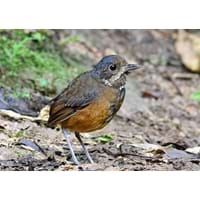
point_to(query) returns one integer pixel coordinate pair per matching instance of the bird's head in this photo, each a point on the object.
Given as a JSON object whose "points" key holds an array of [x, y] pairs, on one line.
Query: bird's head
{"points": [[112, 69]]}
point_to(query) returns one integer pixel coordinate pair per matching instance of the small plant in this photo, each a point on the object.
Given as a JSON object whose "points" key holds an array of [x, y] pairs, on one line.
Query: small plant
{"points": [[196, 96], [104, 138], [19, 134]]}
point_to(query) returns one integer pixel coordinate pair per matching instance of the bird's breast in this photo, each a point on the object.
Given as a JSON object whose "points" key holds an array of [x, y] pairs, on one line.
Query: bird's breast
{"points": [[98, 113]]}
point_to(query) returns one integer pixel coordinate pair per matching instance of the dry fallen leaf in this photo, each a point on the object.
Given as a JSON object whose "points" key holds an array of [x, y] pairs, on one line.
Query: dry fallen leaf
{"points": [[150, 149], [151, 94], [165, 152], [43, 115], [15, 115], [146, 146], [188, 47], [194, 150]]}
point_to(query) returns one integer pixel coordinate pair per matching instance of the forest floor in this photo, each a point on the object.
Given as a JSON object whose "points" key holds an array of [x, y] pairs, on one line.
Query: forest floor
{"points": [[157, 128]]}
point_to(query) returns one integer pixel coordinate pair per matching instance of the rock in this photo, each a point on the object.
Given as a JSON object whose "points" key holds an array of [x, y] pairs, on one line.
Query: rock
{"points": [[188, 47], [22, 105]]}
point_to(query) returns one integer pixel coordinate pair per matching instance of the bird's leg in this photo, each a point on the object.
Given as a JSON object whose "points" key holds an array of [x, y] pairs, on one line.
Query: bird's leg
{"points": [[67, 138], [83, 146]]}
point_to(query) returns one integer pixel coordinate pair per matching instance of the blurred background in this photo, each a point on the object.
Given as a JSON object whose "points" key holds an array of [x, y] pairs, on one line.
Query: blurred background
{"points": [[160, 115]]}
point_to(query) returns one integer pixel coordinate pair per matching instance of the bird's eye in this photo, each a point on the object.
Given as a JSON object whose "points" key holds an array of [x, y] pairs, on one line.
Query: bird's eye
{"points": [[112, 67]]}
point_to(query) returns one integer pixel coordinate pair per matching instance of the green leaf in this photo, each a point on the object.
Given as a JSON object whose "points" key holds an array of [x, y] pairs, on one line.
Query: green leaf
{"points": [[104, 138], [19, 134], [196, 96], [38, 36], [43, 82]]}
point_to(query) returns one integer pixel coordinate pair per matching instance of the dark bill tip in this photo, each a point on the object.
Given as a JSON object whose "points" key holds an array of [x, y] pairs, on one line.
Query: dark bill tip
{"points": [[131, 67]]}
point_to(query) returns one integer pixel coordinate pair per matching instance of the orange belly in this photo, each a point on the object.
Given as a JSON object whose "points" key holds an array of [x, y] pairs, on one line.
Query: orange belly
{"points": [[90, 118]]}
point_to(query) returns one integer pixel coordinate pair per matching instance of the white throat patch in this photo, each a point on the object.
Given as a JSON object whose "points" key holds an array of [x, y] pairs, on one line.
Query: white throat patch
{"points": [[122, 87], [118, 75], [115, 77], [106, 82]]}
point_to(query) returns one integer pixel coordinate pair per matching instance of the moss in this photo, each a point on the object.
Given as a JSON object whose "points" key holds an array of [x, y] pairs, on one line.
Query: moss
{"points": [[32, 56]]}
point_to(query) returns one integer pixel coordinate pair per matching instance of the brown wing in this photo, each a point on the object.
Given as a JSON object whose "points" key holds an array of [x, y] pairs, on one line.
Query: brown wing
{"points": [[76, 96]]}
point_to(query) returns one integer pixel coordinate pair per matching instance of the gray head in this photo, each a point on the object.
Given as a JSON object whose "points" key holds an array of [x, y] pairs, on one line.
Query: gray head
{"points": [[112, 69]]}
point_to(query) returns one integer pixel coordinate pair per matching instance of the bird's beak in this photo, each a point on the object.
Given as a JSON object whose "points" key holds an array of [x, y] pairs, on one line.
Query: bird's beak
{"points": [[131, 67]]}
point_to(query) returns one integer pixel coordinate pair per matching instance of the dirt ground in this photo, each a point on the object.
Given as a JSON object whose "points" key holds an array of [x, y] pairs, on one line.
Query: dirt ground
{"points": [[155, 129]]}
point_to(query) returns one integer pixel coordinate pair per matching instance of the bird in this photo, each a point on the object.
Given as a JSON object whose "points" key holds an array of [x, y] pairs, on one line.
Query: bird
{"points": [[91, 100]]}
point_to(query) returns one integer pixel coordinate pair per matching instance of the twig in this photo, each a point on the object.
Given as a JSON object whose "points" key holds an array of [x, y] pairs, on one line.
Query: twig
{"points": [[186, 76], [40, 148], [172, 79], [130, 154]]}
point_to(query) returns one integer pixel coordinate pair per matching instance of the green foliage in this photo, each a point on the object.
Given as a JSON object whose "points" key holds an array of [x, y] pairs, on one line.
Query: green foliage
{"points": [[37, 36], [24, 92], [104, 138], [18, 52], [34, 58], [19, 134], [196, 96]]}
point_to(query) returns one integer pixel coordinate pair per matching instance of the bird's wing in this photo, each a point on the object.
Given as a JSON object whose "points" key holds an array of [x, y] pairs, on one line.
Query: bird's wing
{"points": [[79, 94]]}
